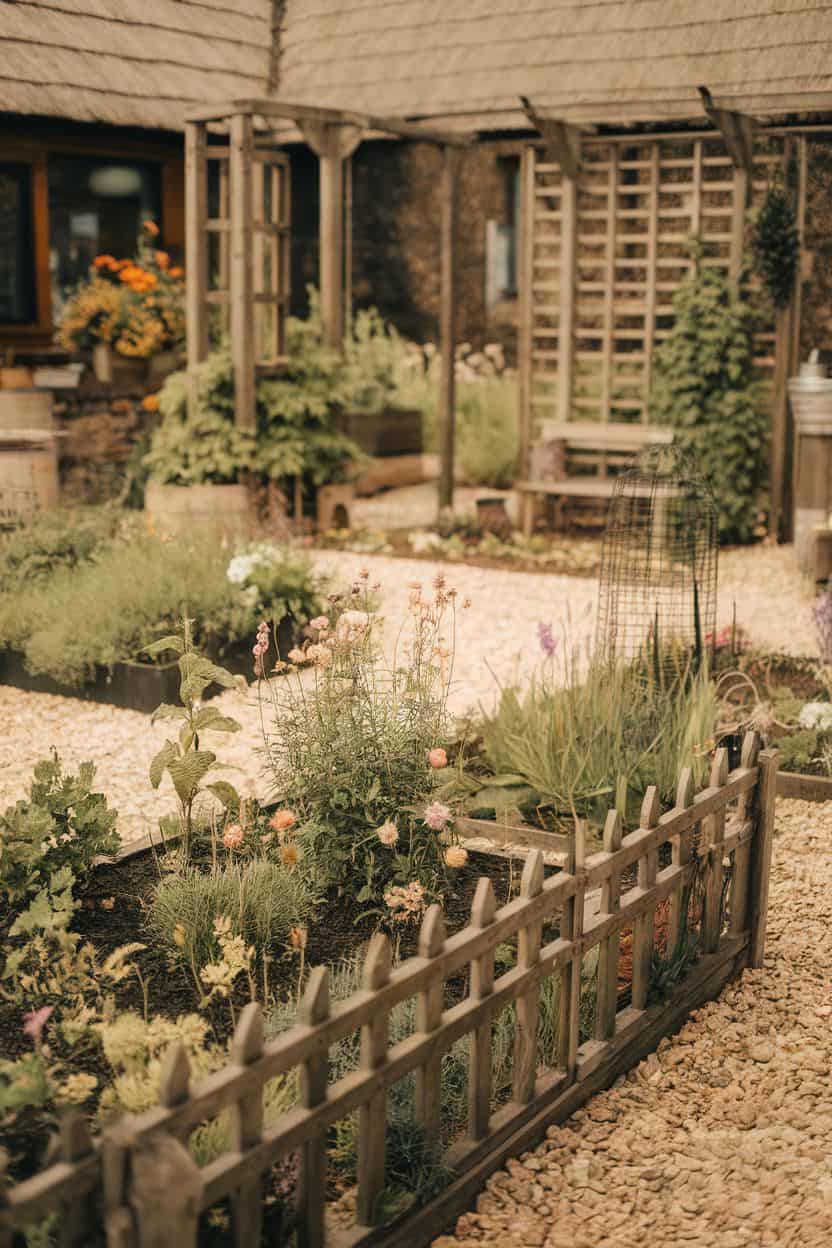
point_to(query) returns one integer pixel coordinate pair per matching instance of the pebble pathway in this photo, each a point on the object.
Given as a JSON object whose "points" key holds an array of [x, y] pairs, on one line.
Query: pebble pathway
{"points": [[723, 1137]]}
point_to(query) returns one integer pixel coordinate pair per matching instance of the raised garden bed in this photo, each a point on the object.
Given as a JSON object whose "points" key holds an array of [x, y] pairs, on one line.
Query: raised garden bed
{"points": [[131, 685]]}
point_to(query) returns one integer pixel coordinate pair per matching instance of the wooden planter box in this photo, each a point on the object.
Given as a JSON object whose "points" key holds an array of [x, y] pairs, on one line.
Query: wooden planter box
{"points": [[393, 431], [175, 509], [135, 686]]}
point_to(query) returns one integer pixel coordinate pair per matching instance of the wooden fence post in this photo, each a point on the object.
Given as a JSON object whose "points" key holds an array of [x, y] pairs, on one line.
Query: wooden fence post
{"points": [[78, 1217], [247, 1128], [645, 923], [607, 1001], [572, 923], [165, 1192], [528, 1004], [762, 845], [311, 1188], [716, 835], [680, 854], [742, 854], [6, 1232], [483, 909], [372, 1117], [428, 1018]]}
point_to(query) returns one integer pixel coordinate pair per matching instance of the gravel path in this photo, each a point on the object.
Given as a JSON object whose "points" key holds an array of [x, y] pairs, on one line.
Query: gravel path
{"points": [[722, 1139], [496, 640]]}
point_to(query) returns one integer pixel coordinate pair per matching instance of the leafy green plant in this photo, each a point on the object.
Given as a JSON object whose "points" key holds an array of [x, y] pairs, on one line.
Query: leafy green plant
{"points": [[49, 541], [184, 759], [62, 824], [775, 242], [706, 388]]}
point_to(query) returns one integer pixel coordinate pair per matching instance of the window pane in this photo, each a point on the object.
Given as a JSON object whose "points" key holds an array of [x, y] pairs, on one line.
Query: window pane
{"points": [[96, 207], [17, 258]]}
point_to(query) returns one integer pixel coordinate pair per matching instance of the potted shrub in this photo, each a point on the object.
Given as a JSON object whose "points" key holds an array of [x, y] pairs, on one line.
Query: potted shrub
{"points": [[296, 446], [129, 314]]}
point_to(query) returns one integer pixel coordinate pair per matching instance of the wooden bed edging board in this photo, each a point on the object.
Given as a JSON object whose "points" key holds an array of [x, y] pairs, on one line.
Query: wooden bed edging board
{"points": [[802, 785], [638, 1039]]}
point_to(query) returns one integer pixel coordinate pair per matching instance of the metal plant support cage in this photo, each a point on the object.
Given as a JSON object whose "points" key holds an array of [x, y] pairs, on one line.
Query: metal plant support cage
{"points": [[659, 560]]}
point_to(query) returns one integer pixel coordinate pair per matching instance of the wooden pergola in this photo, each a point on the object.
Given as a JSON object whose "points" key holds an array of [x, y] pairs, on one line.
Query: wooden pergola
{"points": [[238, 258]]}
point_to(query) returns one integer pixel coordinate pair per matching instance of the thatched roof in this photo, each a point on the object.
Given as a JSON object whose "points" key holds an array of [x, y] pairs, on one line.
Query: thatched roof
{"points": [[139, 63], [613, 61]]}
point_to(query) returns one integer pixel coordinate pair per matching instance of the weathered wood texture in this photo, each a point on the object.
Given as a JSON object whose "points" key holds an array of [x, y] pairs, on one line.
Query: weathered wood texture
{"points": [[151, 1191], [604, 251]]}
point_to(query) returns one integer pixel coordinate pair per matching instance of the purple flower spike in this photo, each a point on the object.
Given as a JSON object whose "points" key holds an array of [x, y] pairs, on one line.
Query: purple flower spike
{"points": [[548, 643]]}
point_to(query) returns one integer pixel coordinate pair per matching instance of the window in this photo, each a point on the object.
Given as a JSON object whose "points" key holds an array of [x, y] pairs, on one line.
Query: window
{"points": [[17, 276], [501, 235], [96, 206]]}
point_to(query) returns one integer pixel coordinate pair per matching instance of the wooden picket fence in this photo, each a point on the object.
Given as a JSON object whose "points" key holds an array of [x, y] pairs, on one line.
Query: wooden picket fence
{"points": [[138, 1186]]}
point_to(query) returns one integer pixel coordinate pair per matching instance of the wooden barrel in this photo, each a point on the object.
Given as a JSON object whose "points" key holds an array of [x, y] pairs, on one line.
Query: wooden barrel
{"points": [[813, 491], [177, 509], [28, 452]]}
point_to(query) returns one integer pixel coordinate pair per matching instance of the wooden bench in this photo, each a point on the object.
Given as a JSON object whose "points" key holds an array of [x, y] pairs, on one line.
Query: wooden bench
{"points": [[565, 445]]}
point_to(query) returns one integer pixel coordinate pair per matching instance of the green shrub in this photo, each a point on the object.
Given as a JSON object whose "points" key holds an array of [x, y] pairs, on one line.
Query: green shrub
{"points": [[133, 592], [578, 739], [62, 823], [54, 540], [264, 901], [705, 386]]}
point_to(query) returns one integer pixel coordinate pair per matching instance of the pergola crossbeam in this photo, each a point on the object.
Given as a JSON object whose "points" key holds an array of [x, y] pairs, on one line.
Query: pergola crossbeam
{"points": [[305, 113]]}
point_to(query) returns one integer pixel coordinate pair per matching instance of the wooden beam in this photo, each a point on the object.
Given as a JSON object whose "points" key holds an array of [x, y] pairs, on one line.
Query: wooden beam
{"points": [[563, 140], [737, 130], [196, 254], [242, 284], [447, 325], [304, 113], [568, 273], [525, 321]]}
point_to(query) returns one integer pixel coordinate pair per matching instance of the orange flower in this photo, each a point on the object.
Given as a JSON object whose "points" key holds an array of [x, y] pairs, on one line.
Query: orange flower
{"points": [[151, 227], [105, 262], [150, 402], [176, 271], [162, 259]]}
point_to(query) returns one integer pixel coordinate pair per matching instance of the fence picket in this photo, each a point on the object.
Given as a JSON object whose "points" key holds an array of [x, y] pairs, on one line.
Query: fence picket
{"points": [[716, 835], [528, 952], [742, 855], [247, 1129], [607, 1003], [311, 1186], [77, 1222], [680, 850], [372, 1124], [6, 1232], [165, 1192], [643, 927], [764, 802], [572, 917], [428, 1017], [483, 909]]}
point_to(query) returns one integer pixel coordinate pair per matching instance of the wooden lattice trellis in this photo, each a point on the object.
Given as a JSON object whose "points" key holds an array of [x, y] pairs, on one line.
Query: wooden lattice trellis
{"points": [[606, 233]]}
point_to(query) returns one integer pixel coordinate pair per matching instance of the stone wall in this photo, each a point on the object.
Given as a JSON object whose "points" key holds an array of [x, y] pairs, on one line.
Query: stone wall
{"points": [[396, 221], [104, 430]]}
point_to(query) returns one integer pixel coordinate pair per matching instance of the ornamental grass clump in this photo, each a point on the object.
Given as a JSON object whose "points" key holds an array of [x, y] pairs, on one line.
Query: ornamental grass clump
{"points": [[357, 748]]}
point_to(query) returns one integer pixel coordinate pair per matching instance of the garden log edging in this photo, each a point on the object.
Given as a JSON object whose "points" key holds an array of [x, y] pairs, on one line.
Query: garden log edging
{"points": [[734, 815], [803, 786]]}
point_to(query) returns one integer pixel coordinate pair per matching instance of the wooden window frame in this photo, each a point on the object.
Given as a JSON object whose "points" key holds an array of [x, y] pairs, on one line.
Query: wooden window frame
{"points": [[35, 152]]}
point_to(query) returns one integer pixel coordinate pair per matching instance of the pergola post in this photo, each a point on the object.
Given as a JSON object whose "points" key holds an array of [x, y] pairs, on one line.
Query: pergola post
{"points": [[447, 324], [196, 253], [333, 143], [242, 274]]}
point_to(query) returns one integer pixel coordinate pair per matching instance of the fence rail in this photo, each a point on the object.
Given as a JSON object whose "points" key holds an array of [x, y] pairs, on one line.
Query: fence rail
{"points": [[141, 1183]]}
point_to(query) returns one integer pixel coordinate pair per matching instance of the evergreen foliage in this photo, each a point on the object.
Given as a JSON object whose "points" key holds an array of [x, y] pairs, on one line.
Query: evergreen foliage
{"points": [[706, 388], [776, 245]]}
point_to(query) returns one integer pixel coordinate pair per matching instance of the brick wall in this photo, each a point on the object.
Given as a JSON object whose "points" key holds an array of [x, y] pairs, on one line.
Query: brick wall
{"points": [[103, 426]]}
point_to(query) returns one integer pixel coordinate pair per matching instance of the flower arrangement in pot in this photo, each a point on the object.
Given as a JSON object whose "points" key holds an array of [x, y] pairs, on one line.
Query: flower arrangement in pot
{"points": [[128, 312]]}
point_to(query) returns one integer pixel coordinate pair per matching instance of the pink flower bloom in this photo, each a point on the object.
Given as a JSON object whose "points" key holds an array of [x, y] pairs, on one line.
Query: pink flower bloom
{"points": [[34, 1023], [282, 820], [437, 757], [437, 816], [319, 622], [232, 837]]}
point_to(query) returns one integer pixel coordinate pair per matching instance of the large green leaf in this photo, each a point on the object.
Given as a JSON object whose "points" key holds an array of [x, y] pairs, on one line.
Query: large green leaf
{"points": [[198, 673], [210, 717], [227, 794], [171, 642], [161, 761], [186, 772], [167, 711]]}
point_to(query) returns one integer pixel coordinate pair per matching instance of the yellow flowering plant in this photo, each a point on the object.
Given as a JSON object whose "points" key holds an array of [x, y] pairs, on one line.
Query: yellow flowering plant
{"points": [[136, 306]]}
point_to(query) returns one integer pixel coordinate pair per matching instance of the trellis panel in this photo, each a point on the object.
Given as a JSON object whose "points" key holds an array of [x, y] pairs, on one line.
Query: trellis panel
{"points": [[637, 204]]}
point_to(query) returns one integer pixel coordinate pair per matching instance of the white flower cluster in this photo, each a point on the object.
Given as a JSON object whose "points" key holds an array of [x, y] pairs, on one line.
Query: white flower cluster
{"points": [[242, 566]]}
